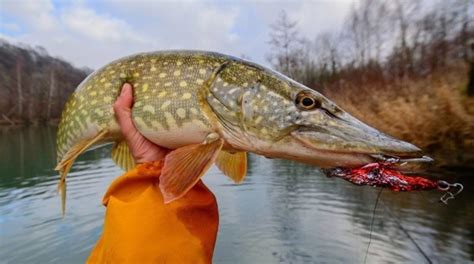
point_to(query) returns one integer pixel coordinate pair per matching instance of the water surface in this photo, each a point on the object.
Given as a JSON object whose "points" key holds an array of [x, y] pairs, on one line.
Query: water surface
{"points": [[283, 212]]}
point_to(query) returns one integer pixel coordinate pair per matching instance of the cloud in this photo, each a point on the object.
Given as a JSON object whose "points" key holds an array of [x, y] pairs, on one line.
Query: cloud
{"points": [[92, 33], [36, 14], [12, 27], [182, 24], [88, 23], [317, 17], [75, 32], [312, 17]]}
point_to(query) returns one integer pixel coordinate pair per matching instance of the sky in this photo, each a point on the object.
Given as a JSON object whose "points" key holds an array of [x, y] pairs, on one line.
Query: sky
{"points": [[91, 33]]}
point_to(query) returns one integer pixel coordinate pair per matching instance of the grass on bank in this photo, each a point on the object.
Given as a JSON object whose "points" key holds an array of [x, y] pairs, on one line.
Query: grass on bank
{"points": [[433, 113]]}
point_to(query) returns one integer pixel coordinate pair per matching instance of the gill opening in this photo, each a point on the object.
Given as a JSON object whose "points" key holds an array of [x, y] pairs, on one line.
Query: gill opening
{"points": [[218, 120]]}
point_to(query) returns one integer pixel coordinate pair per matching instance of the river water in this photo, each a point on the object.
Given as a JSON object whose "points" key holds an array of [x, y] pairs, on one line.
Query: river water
{"points": [[284, 212]]}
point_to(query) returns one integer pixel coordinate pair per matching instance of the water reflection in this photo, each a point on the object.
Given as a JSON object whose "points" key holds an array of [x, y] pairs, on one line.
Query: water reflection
{"points": [[283, 212]]}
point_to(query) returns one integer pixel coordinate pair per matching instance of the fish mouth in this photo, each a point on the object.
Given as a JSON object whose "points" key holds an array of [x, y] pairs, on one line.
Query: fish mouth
{"points": [[351, 158], [349, 142]]}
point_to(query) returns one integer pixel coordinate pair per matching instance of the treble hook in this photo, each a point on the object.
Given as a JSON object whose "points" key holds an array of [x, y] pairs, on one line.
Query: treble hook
{"points": [[445, 187]]}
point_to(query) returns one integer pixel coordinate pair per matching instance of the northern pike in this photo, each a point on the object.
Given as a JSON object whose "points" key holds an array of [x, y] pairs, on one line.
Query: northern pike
{"points": [[212, 108]]}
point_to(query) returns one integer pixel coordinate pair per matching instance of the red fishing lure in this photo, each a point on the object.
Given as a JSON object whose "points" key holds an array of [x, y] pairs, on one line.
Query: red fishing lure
{"points": [[382, 174]]}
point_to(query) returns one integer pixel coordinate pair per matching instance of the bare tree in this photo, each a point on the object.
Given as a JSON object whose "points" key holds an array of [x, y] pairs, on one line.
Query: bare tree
{"points": [[327, 52], [403, 15], [52, 88], [366, 30], [286, 45], [19, 88]]}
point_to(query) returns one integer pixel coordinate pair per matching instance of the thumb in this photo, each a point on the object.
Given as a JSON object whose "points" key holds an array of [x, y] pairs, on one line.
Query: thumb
{"points": [[123, 111]]}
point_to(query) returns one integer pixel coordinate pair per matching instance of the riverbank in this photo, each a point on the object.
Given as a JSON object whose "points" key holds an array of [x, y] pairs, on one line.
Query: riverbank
{"points": [[433, 113]]}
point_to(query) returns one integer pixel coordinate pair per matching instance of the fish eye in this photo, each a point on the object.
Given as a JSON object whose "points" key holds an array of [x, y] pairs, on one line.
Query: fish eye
{"points": [[307, 101]]}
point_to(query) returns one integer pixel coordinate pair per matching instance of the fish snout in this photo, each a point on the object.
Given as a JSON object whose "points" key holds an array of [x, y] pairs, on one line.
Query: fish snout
{"points": [[345, 136]]}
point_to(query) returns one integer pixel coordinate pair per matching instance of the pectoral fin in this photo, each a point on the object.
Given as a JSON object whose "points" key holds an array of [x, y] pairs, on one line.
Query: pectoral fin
{"points": [[234, 165], [185, 166], [122, 156]]}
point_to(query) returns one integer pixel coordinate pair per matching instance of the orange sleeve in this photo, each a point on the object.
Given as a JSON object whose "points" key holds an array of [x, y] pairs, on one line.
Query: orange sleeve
{"points": [[140, 228]]}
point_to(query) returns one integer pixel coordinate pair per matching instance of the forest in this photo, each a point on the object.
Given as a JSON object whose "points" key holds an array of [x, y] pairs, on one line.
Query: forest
{"points": [[34, 86]]}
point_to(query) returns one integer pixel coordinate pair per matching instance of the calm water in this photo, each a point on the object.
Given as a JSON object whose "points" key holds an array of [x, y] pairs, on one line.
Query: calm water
{"points": [[283, 212]]}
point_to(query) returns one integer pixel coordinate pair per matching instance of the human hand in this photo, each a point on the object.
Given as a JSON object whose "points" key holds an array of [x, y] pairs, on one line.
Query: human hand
{"points": [[142, 149]]}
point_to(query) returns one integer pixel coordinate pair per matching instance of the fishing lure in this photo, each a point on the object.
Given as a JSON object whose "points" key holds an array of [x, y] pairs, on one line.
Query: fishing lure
{"points": [[383, 174]]}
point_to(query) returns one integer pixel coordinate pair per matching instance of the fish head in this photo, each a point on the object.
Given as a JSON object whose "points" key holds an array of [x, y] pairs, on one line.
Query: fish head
{"points": [[277, 117]]}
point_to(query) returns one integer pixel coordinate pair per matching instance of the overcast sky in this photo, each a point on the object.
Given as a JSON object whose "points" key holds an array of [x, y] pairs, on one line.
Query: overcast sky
{"points": [[92, 33]]}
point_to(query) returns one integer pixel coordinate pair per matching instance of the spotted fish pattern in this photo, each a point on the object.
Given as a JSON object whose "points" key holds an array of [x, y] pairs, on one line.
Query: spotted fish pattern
{"points": [[167, 93]]}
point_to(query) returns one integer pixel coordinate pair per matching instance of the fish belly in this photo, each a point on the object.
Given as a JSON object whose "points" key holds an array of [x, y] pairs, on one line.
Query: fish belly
{"points": [[171, 116]]}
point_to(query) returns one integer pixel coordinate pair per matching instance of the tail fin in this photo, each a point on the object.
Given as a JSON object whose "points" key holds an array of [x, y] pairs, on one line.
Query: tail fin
{"points": [[66, 163]]}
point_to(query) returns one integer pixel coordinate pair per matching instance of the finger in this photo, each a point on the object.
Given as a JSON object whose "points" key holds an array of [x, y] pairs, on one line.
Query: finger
{"points": [[125, 99], [123, 111]]}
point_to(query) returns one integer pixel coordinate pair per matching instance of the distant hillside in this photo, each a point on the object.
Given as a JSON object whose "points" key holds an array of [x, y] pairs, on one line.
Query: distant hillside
{"points": [[34, 85]]}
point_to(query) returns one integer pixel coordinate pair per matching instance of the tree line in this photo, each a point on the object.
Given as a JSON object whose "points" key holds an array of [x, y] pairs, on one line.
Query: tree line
{"points": [[34, 85], [380, 41]]}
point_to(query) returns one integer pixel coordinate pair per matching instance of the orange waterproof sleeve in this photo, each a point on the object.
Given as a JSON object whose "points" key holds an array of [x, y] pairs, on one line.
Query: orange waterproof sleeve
{"points": [[140, 228]]}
